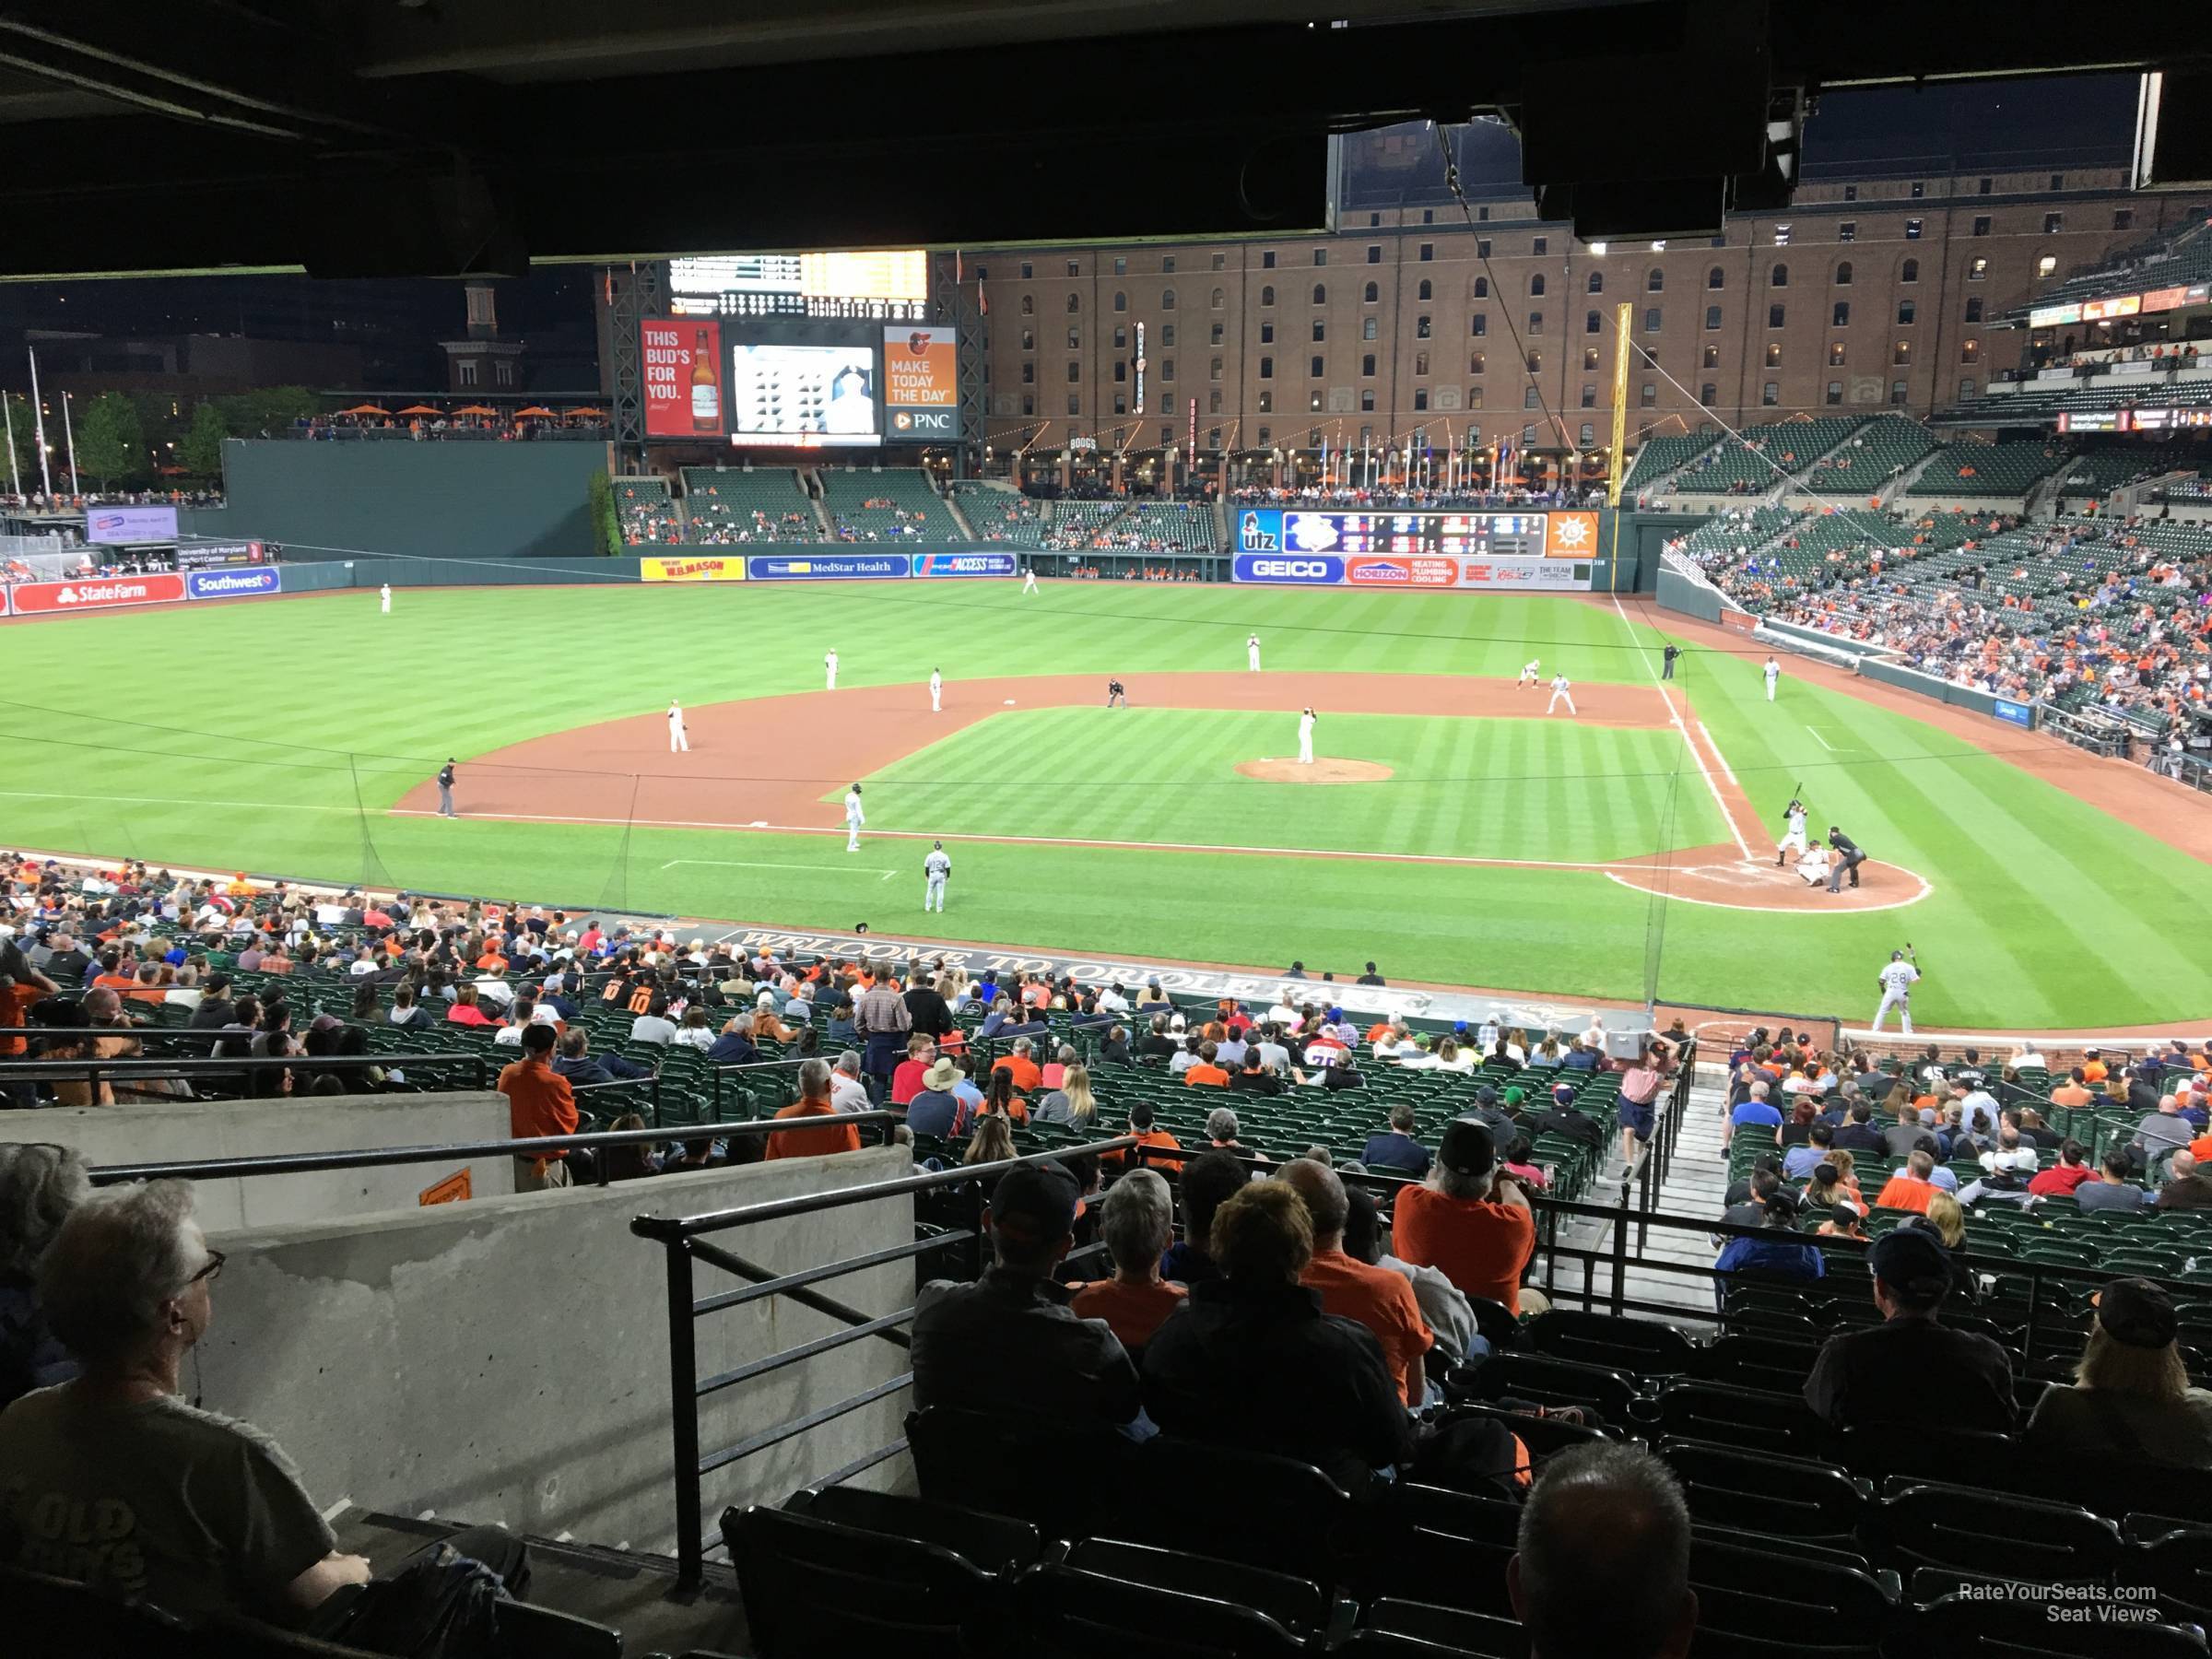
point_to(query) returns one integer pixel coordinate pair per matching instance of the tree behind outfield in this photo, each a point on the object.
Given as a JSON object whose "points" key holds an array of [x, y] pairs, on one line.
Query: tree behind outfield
{"points": [[270, 409], [200, 452], [111, 444]]}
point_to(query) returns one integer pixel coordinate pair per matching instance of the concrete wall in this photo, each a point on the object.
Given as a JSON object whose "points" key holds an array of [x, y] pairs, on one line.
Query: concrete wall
{"points": [[508, 1360], [160, 1133]]}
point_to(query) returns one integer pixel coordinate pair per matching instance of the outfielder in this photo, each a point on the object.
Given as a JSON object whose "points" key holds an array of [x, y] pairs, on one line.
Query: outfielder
{"points": [[937, 867], [854, 819], [1793, 814], [937, 692], [1773, 673], [1529, 671], [383, 597], [1897, 981], [679, 741], [1560, 683], [829, 665], [1252, 653], [1305, 739], [1029, 580]]}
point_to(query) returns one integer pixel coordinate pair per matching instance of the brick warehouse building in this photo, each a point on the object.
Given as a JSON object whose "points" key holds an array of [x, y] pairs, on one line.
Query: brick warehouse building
{"points": [[1869, 292]]}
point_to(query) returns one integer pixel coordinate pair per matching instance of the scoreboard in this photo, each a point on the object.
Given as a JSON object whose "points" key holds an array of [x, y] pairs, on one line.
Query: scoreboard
{"points": [[1478, 535]]}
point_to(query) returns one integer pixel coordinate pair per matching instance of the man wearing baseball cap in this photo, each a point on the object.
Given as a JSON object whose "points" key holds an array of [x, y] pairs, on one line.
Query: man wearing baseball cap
{"points": [[1469, 1219], [2131, 1397], [1885, 1377], [1009, 1342]]}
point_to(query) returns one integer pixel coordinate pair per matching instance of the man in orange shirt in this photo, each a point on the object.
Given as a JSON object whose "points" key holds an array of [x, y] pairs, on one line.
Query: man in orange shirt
{"points": [[1140, 1125], [1027, 1078], [1910, 1188], [1470, 1221], [1138, 1226], [2092, 1066], [813, 1101], [1206, 1074], [539, 1101], [1375, 1296]]}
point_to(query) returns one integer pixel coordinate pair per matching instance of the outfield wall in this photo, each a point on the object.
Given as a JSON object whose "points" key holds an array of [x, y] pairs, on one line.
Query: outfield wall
{"points": [[435, 500]]}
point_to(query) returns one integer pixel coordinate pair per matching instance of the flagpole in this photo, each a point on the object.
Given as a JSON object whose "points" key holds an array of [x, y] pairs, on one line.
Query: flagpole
{"points": [[15, 481], [38, 416], [69, 436]]}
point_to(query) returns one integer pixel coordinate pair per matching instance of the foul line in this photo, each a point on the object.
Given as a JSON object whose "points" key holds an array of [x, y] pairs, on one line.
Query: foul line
{"points": [[1681, 725], [742, 864]]}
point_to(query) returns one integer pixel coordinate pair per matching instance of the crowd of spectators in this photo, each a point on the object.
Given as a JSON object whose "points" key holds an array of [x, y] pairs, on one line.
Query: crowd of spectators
{"points": [[1349, 498]]}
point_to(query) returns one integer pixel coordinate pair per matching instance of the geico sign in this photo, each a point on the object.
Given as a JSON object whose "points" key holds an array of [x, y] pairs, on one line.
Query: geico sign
{"points": [[1276, 567], [97, 592]]}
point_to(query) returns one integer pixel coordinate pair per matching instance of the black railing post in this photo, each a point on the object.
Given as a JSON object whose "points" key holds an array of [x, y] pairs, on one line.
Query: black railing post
{"points": [[683, 1415], [1621, 1259], [656, 1097]]}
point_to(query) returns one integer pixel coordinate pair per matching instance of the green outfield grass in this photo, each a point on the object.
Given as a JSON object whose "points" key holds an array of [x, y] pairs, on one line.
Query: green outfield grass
{"points": [[1543, 790], [273, 735]]}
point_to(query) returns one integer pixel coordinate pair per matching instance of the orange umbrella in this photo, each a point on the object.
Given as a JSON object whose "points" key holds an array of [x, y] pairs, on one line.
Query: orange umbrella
{"points": [[421, 409], [582, 414], [364, 410], [476, 409], [535, 412]]}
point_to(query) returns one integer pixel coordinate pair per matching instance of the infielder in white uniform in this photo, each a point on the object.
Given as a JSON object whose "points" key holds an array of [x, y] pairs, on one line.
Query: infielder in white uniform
{"points": [[937, 692], [1897, 981], [937, 867], [1029, 580], [1560, 683], [679, 741], [1529, 671], [1252, 653], [1793, 814], [1305, 739], [830, 665], [1773, 673], [383, 598], [854, 819]]}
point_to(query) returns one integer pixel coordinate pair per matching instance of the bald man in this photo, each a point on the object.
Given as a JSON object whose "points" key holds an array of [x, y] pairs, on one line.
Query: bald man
{"points": [[1382, 1300], [1602, 1571]]}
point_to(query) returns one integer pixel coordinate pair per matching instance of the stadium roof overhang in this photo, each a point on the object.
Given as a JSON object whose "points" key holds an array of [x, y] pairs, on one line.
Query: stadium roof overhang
{"points": [[414, 137]]}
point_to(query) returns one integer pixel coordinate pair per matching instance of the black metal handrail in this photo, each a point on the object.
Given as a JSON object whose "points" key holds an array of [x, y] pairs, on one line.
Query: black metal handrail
{"points": [[683, 1241], [308, 1163]]}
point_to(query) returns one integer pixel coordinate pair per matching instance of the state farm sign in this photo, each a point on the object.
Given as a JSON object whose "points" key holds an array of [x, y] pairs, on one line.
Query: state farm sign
{"points": [[97, 592]]}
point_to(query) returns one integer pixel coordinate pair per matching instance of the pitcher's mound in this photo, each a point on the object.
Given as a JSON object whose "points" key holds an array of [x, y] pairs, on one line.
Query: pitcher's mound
{"points": [[1325, 770]]}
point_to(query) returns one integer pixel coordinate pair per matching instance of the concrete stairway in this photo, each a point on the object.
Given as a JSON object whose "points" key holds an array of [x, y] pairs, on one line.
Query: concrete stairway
{"points": [[1696, 1183]]}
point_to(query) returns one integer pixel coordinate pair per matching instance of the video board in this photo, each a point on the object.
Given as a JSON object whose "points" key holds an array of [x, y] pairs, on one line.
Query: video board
{"points": [[1482, 534], [882, 284], [805, 397]]}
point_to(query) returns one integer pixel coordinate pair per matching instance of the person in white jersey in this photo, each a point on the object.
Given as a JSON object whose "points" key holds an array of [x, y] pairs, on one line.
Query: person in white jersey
{"points": [[1531, 672], [1812, 865], [1305, 739], [937, 692], [383, 598], [936, 868], [829, 666], [1560, 683], [1793, 838], [679, 740], [1773, 672], [1252, 653], [1897, 981], [1029, 580], [854, 819]]}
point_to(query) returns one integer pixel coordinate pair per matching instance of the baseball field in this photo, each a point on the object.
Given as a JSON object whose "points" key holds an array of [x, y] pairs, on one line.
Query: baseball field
{"points": [[1452, 829]]}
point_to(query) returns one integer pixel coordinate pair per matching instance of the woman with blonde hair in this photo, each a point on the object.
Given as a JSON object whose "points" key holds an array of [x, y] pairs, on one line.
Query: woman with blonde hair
{"points": [[1947, 1219], [991, 1141], [2131, 1397], [1071, 1103]]}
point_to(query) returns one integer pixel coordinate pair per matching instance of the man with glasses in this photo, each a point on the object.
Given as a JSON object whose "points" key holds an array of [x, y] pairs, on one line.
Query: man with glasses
{"points": [[115, 1480]]}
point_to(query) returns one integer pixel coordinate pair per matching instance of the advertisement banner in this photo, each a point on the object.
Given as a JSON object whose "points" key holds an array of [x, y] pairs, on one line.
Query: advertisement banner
{"points": [[202, 555], [2051, 317], [827, 567], [2126, 305], [2013, 713], [1416, 571], [118, 527], [920, 385], [1304, 569], [39, 598], [233, 584], [966, 564], [682, 362], [1528, 575], [1570, 535], [692, 570]]}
